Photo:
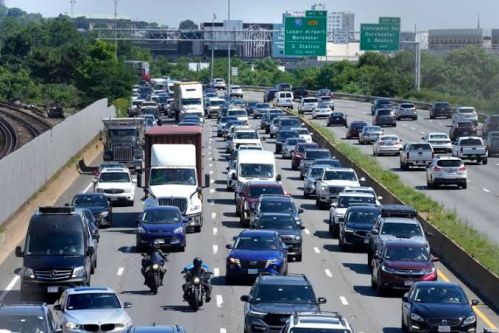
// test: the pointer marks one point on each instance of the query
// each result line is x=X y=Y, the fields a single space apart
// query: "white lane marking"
x=211 y=172
x=497 y=164
x=422 y=132
x=413 y=128
x=88 y=187
x=486 y=190
x=316 y=250
x=328 y=273
x=405 y=125
x=441 y=124
x=307 y=232
x=215 y=231
x=216 y=271
x=212 y=203
x=9 y=287
x=220 y=301
x=213 y=215
x=210 y=165
x=223 y=330
x=343 y=300
x=120 y=271
x=212 y=190
x=215 y=249
x=212 y=181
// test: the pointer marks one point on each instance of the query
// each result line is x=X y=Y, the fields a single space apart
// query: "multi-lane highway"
x=343 y=278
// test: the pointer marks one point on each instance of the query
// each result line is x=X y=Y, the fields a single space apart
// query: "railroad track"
x=33 y=124
x=8 y=138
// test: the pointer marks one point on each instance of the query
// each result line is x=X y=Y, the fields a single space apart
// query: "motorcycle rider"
x=154 y=256
x=197 y=268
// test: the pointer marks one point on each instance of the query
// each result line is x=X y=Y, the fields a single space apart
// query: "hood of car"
x=98 y=316
x=340 y=211
x=255 y=254
x=346 y=183
x=50 y=262
x=442 y=311
x=288 y=232
x=284 y=308
x=160 y=227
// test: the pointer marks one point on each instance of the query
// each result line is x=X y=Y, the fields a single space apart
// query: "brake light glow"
x=435 y=168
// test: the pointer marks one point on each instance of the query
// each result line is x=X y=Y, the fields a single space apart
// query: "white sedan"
x=388 y=145
x=323 y=110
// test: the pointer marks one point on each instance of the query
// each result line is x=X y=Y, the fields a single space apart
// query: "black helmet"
x=156 y=245
x=197 y=262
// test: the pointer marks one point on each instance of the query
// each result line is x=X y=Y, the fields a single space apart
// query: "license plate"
x=366 y=241
x=160 y=241
x=252 y=271
x=114 y=199
x=52 y=290
x=444 y=328
x=408 y=283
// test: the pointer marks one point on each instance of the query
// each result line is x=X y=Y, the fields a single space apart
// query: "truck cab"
x=189 y=98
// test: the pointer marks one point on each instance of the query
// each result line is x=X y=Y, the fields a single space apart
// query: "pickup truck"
x=416 y=154
x=471 y=148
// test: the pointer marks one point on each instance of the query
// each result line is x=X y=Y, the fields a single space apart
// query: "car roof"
x=322 y=320
x=158 y=329
x=446 y=157
x=363 y=208
x=249 y=233
x=87 y=290
x=339 y=169
x=90 y=194
x=317 y=149
x=403 y=242
x=23 y=309
x=275 y=197
x=115 y=169
x=437 y=284
x=154 y=208
x=262 y=183
x=405 y=220
x=290 y=279
x=356 y=194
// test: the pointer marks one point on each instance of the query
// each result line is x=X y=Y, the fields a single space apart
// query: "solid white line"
x=216 y=271
x=486 y=190
x=120 y=271
x=212 y=190
x=328 y=273
x=9 y=287
x=88 y=187
x=213 y=215
x=405 y=125
x=211 y=172
x=220 y=301
x=215 y=231
x=223 y=330
x=307 y=232
x=212 y=181
x=210 y=165
x=413 y=128
x=215 y=249
x=343 y=300
x=316 y=250
x=421 y=132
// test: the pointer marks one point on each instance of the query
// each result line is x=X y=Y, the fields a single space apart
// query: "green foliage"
x=121 y=105
x=188 y=25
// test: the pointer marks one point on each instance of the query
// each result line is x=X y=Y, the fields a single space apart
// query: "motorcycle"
x=196 y=293
x=154 y=273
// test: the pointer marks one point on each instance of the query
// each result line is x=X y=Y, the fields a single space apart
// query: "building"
x=340 y=27
x=495 y=38
x=443 y=40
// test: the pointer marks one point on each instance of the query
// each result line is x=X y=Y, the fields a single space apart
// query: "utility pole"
x=228 y=49
x=72 y=7
x=116 y=27
x=212 y=46
x=418 y=67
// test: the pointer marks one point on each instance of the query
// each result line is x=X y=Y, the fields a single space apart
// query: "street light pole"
x=228 y=49
x=116 y=27
x=212 y=47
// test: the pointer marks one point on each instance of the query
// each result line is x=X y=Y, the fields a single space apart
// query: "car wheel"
x=402 y=166
x=341 y=243
x=380 y=290
x=369 y=259
x=238 y=212
x=485 y=160
x=331 y=229
x=374 y=152
x=432 y=116
x=373 y=283
x=298 y=257
x=229 y=280
x=464 y=185
x=306 y=194
x=293 y=167
x=301 y=176
x=403 y=325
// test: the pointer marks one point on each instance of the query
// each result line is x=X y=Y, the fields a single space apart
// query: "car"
x=233 y=156
x=355 y=128
x=303 y=133
x=325 y=92
x=310 y=179
x=286 y=227
x=416 y=154
x=406 y=110
x=268 y=120
x=440 y=142
x=157 y=329
x=310 y=155
x=247 y=197
x=117 y=185
x=288 y=147
x=356 y=225
x=369 y=134
x=244 y=137
x=342 y=203
x=399 y=263
x=465 y=113
x=490 y=124
x=308 y=104
x=437 y=306
x=277 y=203
x=273 y=299
x=462 y=128
x=330 y=162
x=384 y=117
x=326 y=100
x=440 y=109
x=281 y=137
x=299 y=153
x=218 y=83
x=317 y=322
x=287 y=123
x=92 y=231
x=241 y=115
x=149 y=121
x=259 y=109
x=471 y=148
x=380 y=103
x=331 y=184
x=446 y=170
x=363 y=189
x=269 y=95
x=250 y=107
x=222 y=122
x=190 y=122
x=236 y=91
x=299 y=93
x=163 y=224
x=93 y=309
x=492 y=140
x=322 y=110
x=24 y=317
x=337 y=118
x=255 y=252
x=274 y=127
x=213 y=106
x=284 y=87
x=98 y=204
x=387 y=145
x=283 y=99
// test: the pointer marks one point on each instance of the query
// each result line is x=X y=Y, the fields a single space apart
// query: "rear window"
x=256 y=191
x=302 y=148
x=407 y=105
x=421 y=146
x=442 y=106
x=358 y=125
x=290 y=122
x=383 y=102
x=315 y=154
x=467 y=124
x=471 y=142
x=310 y=100
x=449 y=163
x=384 y=112
x=466 y=111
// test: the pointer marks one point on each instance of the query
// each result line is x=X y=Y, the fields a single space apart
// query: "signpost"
x=382 y=36
x=306 y=36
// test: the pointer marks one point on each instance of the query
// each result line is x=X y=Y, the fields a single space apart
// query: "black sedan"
x=437 y=307
x=337 y=118
x=355 y=128
x=98 y=204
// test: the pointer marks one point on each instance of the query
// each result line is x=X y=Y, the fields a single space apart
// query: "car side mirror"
x=428 y=234
x=57 y=307
x=300 y=210
x=475 y=302
x=245 y=298
x=405 y=298
x=90 y=251
x=19 y=252
x=380 y=197
x=322 y=300
x=228 y=246
x=199 y=189
x=334 y=204
x=278 y=178
x=127 y=305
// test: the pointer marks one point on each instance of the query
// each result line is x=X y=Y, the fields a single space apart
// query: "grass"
x=2 y=229
x=447 y=222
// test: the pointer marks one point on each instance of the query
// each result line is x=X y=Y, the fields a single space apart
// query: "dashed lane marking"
x=316 y=250
x=212 y=181
x=212 y=190
x=211 y=172
x=343 y=300
x=220 y=301
x=213 y=215
x=307 y=232
x=215 y=249
x=486 y=190
x=210 y=165
x=88 y=187
x=223 y=330
x=216 y=271
x=215 y=231
x=120 y=271
x=413 y=128
x=9 y=287
x=328 y=273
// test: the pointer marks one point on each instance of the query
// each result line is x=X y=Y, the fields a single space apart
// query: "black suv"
x=58 y=252
x=299 y=93
x=380 y=103
x=27 y=318
x=491 y=124
x=440 y=109
x=273 y=298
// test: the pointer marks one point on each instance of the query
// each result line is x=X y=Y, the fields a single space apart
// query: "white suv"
x=447 y=170
x=317 y=322
x=116 y=184
x=332 y=182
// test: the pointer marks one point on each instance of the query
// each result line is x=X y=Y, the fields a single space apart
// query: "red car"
x=299 y=153
x=399 y=263
x=249 y=194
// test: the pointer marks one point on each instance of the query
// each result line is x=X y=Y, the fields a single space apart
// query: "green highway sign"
x=389 y=20
x=380 y=37
x=316 y=13
x=306 y=36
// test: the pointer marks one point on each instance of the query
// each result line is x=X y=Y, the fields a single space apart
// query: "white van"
x=283 y=99
x=255 y=165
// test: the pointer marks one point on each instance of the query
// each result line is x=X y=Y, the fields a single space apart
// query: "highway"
x=473 y=205
x=343 y=278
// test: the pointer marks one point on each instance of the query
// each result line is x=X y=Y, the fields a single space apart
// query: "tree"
x=188 y=25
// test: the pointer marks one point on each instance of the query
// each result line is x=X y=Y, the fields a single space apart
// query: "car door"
x=407 y=304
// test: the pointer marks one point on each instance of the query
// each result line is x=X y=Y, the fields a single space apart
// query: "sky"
x=425 y=14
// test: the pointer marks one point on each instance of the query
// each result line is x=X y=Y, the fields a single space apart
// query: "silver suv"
x=406 y=110
x=317 y=322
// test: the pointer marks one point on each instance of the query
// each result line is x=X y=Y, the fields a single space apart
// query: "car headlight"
x=297 y=238
x=387 y=269
x=124 y=324
x=347 y=229
x=324 y=187
x=416 y=317
x=271 y=262
x=429 y=271
x=105 y=213
x=235 y=261
x=78 y=272
x=28 y=272
x=141 y=230
x=179 y=230
x=257 y=314
x=469 y=320
x=72 y=326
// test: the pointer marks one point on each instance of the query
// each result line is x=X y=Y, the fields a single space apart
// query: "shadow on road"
x=232 y=224
x=358 y=268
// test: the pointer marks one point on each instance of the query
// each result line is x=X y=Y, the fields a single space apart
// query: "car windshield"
x=121 y=133
x=55 y=241
x=407 y=106
x=442 y=106
x=316 y=172
x=286 y=294
x=325 y=98
x=114 y=177
x=237 y=113
x=439 y=294
x=91 y=301
x=372 y=129
x=367 y=216
x=339 y=175
x=347 y=201
x=401 y=230
x=173 y=177
x=290 y=123
x=389 y=138
x=191 y=101
x=256 y=170
x=263 y=105
x=383 y=101
x=161 y=216
x=293 y=141
x=302 y=148
x=465 y=124
x=216 y=103
x=316 y=154
x=301 y=131
x=471 y=142
x=337 y=115
x=149 y=121
x=19 y=323
x=310 y=100
x=89 y=200
x=246 y=135
x=277 y=206
x=449 y=163
x=256 y=191
x=282 y=136
x=467 y=111
x=260 y=242
x=420 y=146
x=358 y=125
x=224 y=120
x=407 y=253
x=277 y=222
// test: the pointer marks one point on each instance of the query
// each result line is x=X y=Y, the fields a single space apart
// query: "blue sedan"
x=255 y=252
x=165 y=224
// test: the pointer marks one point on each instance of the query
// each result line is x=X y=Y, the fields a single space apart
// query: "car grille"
x=181 y=203
x=335 y=189
x=114 y=191
x=260 y=264
x=54 y=274
x=123 y=153
x=445 y=322
x=276 y=319
x=107 y=327
x=91 y=327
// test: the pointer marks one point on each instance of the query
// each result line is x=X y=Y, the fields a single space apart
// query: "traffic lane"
x=473 y=204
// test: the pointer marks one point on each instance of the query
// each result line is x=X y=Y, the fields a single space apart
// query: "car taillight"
x=462 y=168
x=435 y=168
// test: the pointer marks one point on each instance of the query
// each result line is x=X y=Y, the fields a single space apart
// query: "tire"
x=336 y=231
x=433 y=185
x=229 y=280
x=403 y=326
x=317 y=201
x=485 y=160
x=374 y=153
x=301 y=176
x=331 y=230
x=403 y=166
x=194 y=302
x=464 y=185
x=432 y=116
x=374 y=285
x=380 y=290
x=369 y=259
x=238 y=212
x=293 y=167
x=306 y=195
x=341 y=243
x=298 y=257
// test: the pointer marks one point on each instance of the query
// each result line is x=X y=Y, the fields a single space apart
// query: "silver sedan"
x=387 y=145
